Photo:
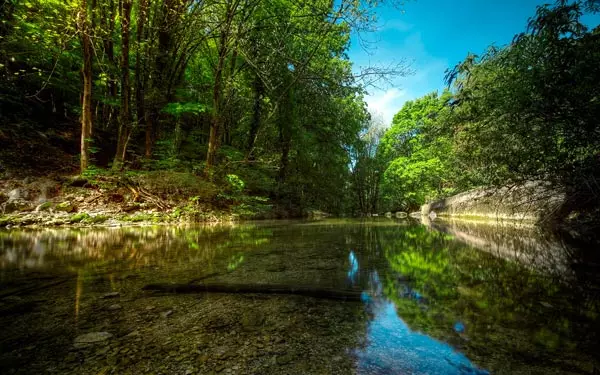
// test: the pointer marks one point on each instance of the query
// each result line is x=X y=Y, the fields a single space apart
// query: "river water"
x=432 y=298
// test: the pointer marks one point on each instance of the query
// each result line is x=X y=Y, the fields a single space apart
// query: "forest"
x=254 y=106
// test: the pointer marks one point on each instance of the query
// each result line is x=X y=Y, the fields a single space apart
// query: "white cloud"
x=428 y=75
x=385 y=104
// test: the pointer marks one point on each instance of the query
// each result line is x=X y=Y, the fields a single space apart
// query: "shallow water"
x=435 y=298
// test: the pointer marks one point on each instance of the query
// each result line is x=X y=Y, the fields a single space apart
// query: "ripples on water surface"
x=442 y=298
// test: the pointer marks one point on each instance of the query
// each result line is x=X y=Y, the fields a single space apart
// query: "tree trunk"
x=86 y=103
x=140 y=78
x=256 y=116
x=125 y=115
x=217 y=121
x=108 y=17
x=286 y=119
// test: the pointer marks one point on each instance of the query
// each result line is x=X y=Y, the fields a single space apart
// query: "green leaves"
x=419 y=152
x=178 y=109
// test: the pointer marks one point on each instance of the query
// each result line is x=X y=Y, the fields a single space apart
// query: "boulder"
x=48 y=190
x=65 y=207
x=15 y=206
x=532 y=201
x=17 y=194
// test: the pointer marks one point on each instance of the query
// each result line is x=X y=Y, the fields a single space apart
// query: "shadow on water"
x=439 y=299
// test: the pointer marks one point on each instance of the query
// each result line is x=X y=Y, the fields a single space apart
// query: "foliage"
x=530 y=110
x=418 y=150
x=259 y=90
x=527 y=111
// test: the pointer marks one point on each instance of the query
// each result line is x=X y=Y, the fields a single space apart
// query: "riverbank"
x=534 y=203
x=104 y=198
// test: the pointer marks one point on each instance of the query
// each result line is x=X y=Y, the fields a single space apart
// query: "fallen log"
x=307 y=291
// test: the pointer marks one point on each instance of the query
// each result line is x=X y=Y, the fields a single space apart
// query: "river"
x=431 y=298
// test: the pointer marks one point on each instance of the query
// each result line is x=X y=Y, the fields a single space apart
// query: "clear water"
x=435 y=298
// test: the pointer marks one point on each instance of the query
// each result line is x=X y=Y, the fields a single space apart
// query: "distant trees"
x=418 y=154
x=528 y=111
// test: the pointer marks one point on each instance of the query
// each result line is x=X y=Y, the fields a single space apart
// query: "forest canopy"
x=262 y=90
x=260 y=98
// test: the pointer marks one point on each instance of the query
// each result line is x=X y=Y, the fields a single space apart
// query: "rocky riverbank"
x=123 y=199
x=533 y=202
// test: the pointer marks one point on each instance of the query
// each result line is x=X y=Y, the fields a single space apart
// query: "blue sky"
x=433 y=35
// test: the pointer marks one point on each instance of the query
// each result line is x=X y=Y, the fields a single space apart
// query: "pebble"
x=111 y=295
x=166 y=314
x=114 y=307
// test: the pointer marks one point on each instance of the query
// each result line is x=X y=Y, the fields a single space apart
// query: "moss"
x=139 y=217
x=7 y=220
x=97 y=219
x=65 y=206
x=45 y=206
x=79 y=217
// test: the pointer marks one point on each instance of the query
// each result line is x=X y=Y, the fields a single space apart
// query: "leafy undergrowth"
x=106 y=197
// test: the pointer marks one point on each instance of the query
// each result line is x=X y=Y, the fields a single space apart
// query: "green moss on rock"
x=65 y=207
x=77 y=218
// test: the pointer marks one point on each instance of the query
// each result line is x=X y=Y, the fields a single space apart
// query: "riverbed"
x=441 y=298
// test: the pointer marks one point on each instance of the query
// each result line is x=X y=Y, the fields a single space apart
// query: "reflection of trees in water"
x=509 y=310
x=530 y=246
x=125 y=247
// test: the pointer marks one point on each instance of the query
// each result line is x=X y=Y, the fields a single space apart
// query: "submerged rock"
x=111 y=295
x=92 y=338
x=114 y=307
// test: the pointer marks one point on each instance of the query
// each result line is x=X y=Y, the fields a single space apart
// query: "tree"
x=419 y=156
x=529 y=111
x=86 y=103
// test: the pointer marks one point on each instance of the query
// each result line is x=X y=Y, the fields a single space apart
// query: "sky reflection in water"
x=393 y=348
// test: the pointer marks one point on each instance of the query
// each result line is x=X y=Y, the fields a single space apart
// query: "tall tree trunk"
x=217 y=121
x=108 y=19
x=286 y=119
x=86 y=103
x=125 y=115
x=140 y=78
x=258 y=89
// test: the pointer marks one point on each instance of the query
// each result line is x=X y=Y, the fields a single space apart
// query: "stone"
x=114 y=307
x=78 y=181
x=48 y=190
x=401 y=215
x=166 y=314
x=15 y=206
x=93 y=337
x=388 y=214
x=284 y=359
x=16 y=194
x=43 y=207
x=111 y=295
x=252 y=320
x=65 y=207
